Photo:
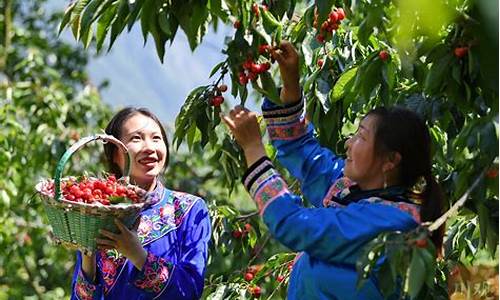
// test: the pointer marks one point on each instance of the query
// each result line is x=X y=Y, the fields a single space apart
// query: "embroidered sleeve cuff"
x=155 y=274
x=84 y=289
x=284 y=122
x=264 y=183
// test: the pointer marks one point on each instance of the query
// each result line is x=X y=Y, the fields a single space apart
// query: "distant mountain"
x=138 y=78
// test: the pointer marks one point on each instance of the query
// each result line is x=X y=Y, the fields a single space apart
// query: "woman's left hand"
x=245 y=128
x=126 y=242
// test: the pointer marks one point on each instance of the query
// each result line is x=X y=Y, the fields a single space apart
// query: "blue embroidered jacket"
x=329 y=236
x=175 y=232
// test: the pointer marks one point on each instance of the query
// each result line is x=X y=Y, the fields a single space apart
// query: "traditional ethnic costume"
x=175 y=232
x=331 y=235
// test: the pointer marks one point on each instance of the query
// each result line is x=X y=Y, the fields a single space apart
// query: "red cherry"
x=237 y=24
x=248 y=276
x=333 y=17
x=217 y=101
x=252 y=76
x=320 y=38
x=256 y=291
x=383 y=55
x=255 y=9
x=264 y=48
x=492 y=173
x=340 y=14
x=320 y=63
x=222 y=88
x=248 y=227
x=421 y=243
x=265 y=66
x=256 y=68
x=461 y=51
x=237 y=234
x=247 y=65
x=325 y=25
x=243 y=79
x=280 y=278
x=333 y=27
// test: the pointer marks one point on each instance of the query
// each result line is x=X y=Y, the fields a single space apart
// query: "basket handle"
x=76 y=146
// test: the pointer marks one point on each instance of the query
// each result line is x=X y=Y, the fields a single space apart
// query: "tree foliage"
x=438 y=58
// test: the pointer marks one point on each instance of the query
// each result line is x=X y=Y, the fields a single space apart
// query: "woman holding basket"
x=165 y=254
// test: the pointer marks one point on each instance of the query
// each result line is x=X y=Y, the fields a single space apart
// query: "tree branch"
x=454 y=209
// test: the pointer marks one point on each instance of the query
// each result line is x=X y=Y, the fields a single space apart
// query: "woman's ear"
x=392 y=161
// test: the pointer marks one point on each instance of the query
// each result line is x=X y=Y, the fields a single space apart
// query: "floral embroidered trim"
x=257 y=183
x=295 y=130
x=165 y=217
x=271 y=189
x=84 y=289
x=412 y=209
x=110 y=263
x=154 y=275
x=339 y=188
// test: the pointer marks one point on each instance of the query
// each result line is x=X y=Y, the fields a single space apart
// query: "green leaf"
x=66 y=16
x=269 y=21
x=216 y=68
x=371 y=78
x=119 y=22
x=389 y=74
x=345 y=81
x=103 y=26
x=268 y=87
x=188 y=111
x=76 y=16
x=437 y=74
x=191 y=19
x=134 y=8
x=147 y=14
x=417 y=274
x=159 y=37
x=88 y=15
x=164 y=23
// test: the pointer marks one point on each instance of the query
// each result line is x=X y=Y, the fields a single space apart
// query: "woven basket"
x=76 y=225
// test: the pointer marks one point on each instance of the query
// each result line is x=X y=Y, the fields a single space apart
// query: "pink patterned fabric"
x=340 y=188
x=287 y=132
x=154 y=275
x=84 y=289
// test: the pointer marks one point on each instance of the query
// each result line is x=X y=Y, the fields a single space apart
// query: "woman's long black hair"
x=401 y=130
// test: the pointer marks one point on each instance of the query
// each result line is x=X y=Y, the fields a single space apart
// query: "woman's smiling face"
x=147 y=147
x=362 y=164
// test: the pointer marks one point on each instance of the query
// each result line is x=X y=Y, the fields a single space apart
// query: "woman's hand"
x=126 y=242
x=288 y=60
x=245 y=128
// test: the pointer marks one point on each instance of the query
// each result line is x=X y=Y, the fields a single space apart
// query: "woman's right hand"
x=288 y=60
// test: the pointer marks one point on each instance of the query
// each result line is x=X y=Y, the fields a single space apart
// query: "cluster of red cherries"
x=331 y=24
x=93 y=191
